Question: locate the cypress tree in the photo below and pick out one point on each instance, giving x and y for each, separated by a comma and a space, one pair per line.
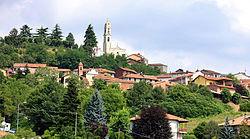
227, 132
25, 31
90, 40
56, 33
152, 124
42, 32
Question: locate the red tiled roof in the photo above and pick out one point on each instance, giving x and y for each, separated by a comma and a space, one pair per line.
209, 71
126, 69
156, 64
64, 70
100, 70
164, 76
238, 121
223, 86
185, 75
163, 84
29, 65
140, 76
168, 116
217, 78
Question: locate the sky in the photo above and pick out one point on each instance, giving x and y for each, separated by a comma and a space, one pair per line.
187, 34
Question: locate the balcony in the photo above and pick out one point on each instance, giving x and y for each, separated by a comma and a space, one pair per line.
182, 130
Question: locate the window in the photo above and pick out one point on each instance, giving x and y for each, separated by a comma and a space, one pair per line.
108, 39
80, 68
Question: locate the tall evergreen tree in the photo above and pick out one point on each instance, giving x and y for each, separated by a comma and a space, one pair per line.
25, 31
70, 41
227, 132
42, 32
56, 33
152, 124
95, 116
90, 40
70, 101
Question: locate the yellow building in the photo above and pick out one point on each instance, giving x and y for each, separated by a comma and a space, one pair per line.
3, 71
205, 80
202, 80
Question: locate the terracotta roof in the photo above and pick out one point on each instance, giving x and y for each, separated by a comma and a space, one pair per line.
100, 70
168, 116
29, 65
238, 121
245, 80
209, 71
140, 76
223, 86
156, 64
217, 78
185, 75
136, 57
80, 64
164, 84
164, 76
62, 70
126, 69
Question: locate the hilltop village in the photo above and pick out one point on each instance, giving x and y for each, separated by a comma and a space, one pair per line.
54, 79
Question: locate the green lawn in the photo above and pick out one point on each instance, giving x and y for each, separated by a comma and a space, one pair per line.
220, 118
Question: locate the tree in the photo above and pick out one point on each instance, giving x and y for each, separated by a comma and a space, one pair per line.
25, 31
13, 38
199, 130
71, 101
245, 106
95, 117
242, 90
152, 124
236, 98
225, 95
235, 80
99, 84
42, 32
56, 33
145, 69
44, 105
139, 96
70, 41
90, 41
227, 132
211, 130
244, 132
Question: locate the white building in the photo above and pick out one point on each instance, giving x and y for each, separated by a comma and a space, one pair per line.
107, 48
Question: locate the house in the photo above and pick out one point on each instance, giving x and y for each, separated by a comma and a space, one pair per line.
32, 67
177, 125
179, 72
121, 72
236, 123
184, 79
136, 58
139, 77
124, 84
241, 76
162, 67
245, 83
164, 84
210, 73
164, 77
215, 84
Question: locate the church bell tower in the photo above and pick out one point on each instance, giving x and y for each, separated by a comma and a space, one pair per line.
107, 38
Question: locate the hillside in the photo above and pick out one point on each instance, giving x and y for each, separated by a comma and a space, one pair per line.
193, 122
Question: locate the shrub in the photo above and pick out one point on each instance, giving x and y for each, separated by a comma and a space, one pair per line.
225, 95
236, 98
245, 107
189, 137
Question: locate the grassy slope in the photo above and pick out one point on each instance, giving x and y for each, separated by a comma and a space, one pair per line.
220, 118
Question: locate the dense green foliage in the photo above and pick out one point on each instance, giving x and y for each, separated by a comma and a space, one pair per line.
225, 95
245, 106
145, 69
189, 136
235, 80
244, 132
242, 90
236, 98
152, 124
199, 130
207, 130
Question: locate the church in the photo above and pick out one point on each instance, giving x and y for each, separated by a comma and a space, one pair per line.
107, 47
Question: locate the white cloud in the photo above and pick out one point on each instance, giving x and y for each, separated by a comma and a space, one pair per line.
238, 12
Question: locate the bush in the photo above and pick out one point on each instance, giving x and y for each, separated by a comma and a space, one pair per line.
236, 98
245, 107
189, 137
225, 95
